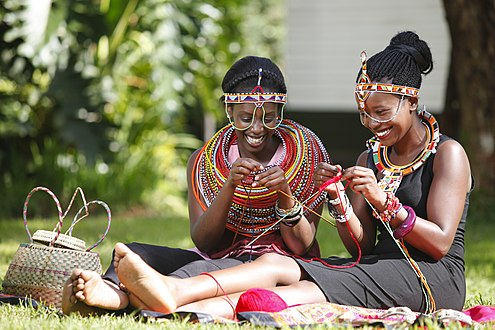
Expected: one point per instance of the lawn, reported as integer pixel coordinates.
(480, 264)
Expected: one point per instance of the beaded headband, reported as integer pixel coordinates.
(364, 86)
(254, 96)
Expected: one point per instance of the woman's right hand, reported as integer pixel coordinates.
(323, 173)
(362, 180)
(242, 171)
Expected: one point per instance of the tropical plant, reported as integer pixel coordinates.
(100, 93)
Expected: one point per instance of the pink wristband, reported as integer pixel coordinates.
(408, 224)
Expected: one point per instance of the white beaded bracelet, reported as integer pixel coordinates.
(335, 201)
(338, 216)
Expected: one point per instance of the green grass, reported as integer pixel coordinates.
(480, 265)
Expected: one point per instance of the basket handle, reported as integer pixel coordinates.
(62, 215)
(85, 208)
(59, 209)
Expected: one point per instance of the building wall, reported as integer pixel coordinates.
(325, 39)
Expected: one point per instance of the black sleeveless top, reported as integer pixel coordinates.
(413, 191)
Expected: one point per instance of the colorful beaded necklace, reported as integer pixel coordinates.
(302, 151)
(392, 174)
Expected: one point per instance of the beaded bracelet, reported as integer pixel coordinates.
(335, 201)
(292, 222)
(290, 217)
(407, 225)
(288, 214)
(336, 214)
(392, 207)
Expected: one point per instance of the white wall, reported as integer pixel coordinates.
(325, 39)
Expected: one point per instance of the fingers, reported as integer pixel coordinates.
(247, 164)
(361, 180)
(327, 168)
(357, 172)
(272, 178)
(242, 168)
(325, 172)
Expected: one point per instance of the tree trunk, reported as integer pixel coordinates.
(469, 114)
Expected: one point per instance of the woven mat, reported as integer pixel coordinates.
(329, 313)
(319, 313)
(334, 314)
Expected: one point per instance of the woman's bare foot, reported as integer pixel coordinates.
(86, 292)
(69, 302)
(147, 287)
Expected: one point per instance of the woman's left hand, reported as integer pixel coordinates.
(273, 178)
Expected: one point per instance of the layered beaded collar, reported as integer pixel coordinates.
(252, 210)
(392, 174)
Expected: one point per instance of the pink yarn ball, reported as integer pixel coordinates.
(260, 300)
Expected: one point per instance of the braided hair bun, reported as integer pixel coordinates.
(402, 62)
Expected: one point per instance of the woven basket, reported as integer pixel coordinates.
(41, 268)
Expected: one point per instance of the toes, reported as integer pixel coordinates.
(79, 295)
(121, 250)
(75, 274)
(88, 275)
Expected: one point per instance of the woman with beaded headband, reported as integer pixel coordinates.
(242, 184)
(403, 225)
(410, 196)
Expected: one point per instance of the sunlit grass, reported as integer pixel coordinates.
(480, 267)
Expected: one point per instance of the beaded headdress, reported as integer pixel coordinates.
(364, 86)
(256, 96)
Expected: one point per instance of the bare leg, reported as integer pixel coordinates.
(303, 292)
(86, 292)
(165, 294)
(223, 306)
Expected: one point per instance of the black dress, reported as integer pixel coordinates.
(384, 278)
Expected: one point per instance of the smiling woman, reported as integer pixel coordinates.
(243, 185)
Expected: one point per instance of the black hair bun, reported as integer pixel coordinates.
(409, 42)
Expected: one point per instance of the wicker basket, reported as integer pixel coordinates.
(41, 268)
